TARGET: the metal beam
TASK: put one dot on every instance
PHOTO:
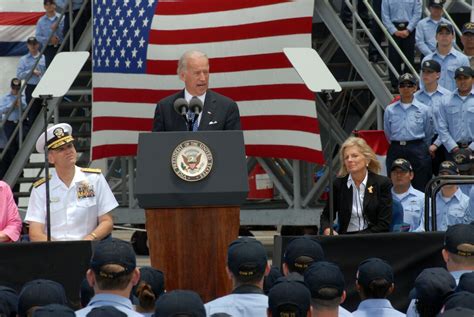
(276, 181)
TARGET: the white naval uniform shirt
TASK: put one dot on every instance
(74, 210)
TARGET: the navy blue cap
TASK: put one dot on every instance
(54, 310)
(40, 293)
(246, 257)
(432, 65)
(402, 164)
(468, 27)
(463, 71)
(436, 3)
(270, 279)
(373, 269)
(459, 239)
(10, 297)
(466, 283)
(289, 298)
(447, 26)
(153, 277)
(106, 311)
(324, 275)
(180, 302)
(407, 77)
(301, 252)
(113, 251)
(433, 285)
(459, 299)
(448, 167)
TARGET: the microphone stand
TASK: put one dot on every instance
(44, 104)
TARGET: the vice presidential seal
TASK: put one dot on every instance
(191, 160)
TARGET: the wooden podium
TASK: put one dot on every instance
(191, 223)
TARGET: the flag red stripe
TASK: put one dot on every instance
(225, 64)
(286, 151)
(375, 139)
(19, 18)
(291, 152)
(292, 123)
(199, 6)
(231, 33)
(261, 92)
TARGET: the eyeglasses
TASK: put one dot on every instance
(405, 85)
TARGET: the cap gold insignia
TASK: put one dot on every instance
(461, 69)
(58, 132)
(399, 161)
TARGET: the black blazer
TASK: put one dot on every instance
(219, 113)
(377, 204)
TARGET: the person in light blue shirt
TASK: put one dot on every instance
(112, 274)
(25, 65)
(47, 24)
(375, 282)
(447, 56)
(65, 6)
(467, 40)
(456, 115)
(409, 130)
(401, 19)
(426, 28)
(432, 94)
(412, 200)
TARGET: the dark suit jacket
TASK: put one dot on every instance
(377, 205)
(219, 113)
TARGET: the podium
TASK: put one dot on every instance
(191, 185)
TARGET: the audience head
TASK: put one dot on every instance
(270, 279)
(374, 279)
(33, 45)
(300, 253)
(180, 303)
(106, 311)
(463, 160)
(430, 72)
(466, 283)
(54, 310)
(15, 85)
(436, 9)
(407, 85)
(463, 76)
(247, 261)
(467, 38)
(459, 299)
(150, 287)
(289, 298)
(432, 286)
(458, 252)
(10, 299)
(444, 35)
(357, 155)
(457, 312)
(401, 173)
(38, 293)
(113, 267)
(326, 284)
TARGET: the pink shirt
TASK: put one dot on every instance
(10, 221)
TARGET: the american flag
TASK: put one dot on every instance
(136, 48)
(17, 22)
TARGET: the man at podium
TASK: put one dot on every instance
(218, 111)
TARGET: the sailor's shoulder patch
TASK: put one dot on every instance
(91, 170)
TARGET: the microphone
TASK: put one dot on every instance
(181, 107)
(195, 105)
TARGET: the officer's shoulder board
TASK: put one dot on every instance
(91, 170)
(40, 182)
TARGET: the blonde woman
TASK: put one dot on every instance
(362, 198)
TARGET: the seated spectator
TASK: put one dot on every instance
(327, 286)
(10, 220)
(112, 273)
(375, 282)
(149, 289)
(451, 203)
(181, 303)
(300, 253)
(37, 293)
(362, 198)
(289, 298)
(458, 251)
(246, 267)
(412, 200)
(9, 298)
(270, 279)
(47, 24)
(54, 310)
(459, 299)
(431, 286)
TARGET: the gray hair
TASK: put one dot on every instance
(183, 60)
